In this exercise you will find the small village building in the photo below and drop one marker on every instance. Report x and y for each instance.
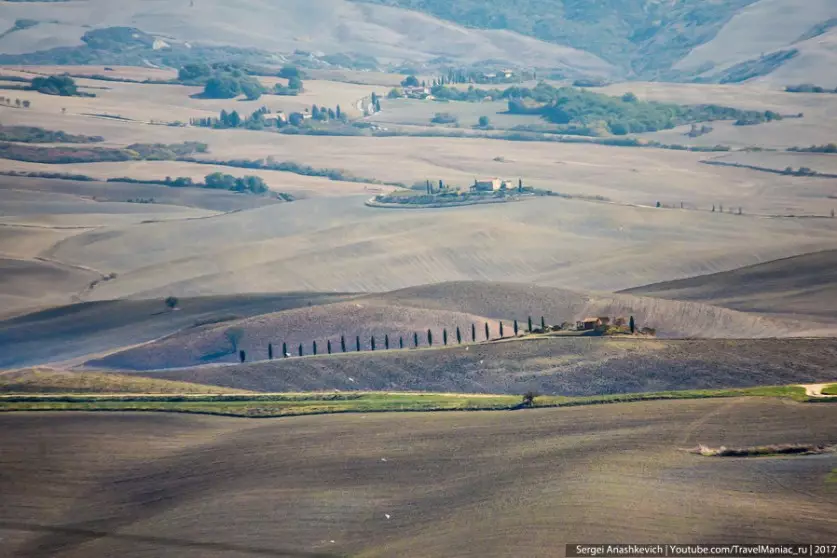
(491, 185)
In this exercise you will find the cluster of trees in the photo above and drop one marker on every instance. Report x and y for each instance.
(617, 115)
(64, 86)
(827, 148)
(221, 181)
(34, 134)
(444, 118)
(221, 80)
(16, 103)
(256, 121)
(808, 88)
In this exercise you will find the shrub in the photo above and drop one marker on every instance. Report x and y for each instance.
(172, 302)
(444, 118)
(64, 86)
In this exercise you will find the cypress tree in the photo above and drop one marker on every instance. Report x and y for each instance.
(473, 333)
(519, 184)
(300, 349)
(487, 331)
(633, 325)
(270, 351)
(543, 325)
(343, 343)
(515, 327)
(429, 338)
(328, 346)
(386, 341)
(338, 112)
(285, 350)
(530, 324)
(445, 336)
(415, 339)
(458, 336)
(501, 330)
(401, 342)
(242, 355)
(314, 348)
(357, 342)
(373, 343)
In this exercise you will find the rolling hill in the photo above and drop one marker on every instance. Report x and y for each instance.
(800, 287)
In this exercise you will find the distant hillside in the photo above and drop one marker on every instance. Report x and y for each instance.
(167, 33)
(799, 286)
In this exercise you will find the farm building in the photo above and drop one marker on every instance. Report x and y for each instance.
(493, 184)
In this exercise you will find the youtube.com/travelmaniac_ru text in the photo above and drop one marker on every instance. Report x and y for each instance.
(701, 550)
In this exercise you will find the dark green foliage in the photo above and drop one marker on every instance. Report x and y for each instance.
(386, 342)
(445, 336)
(401, 339)
(357, 343)
(343, 343)
(543, 325)
(487, 332)
(372, 344)
(501, 329)
(808, 88)
(828, 148)
(270, 351)
(515, 327)
(444, 118)
(328, 346)
(410, 81)
(295, 84)
(221, 181)
(757, 67)
(314, 348)
(222, 87)
(429, 338)
(172, 302)
(483, 122)
(64, 86)
(300, 349)
(289, 72)
(530, 324)
(529, 399)
(415, 339)
(242, 356)
(195, 72)
(33, 134)
(285, 353)
(458, 335)
(632, 325)
(473, 333)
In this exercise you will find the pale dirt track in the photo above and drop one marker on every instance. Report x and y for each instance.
(815, 390)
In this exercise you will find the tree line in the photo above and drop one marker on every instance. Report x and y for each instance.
(417, 339)
(257, 120)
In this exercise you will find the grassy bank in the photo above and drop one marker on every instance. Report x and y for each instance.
(830, 390)
(291, 404)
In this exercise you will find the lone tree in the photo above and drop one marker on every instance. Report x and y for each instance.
(483, 122)
(270, 351)
(530, 324)
(529, 399)
(515, 327)
(543, 325)
(632, 325)
(473, 333)
(386, 341)
(458, 335)
(285, 353)
(357, 342)
(343, 343)
(487, 331)
(401, 342)
(373, 343)
(314, 348)
(445, 336)
(172, 302)
(234, 336)
(429, 338)
(415, 339)
(300, 349)
(242, 356)
(328, 346)
(501, 330)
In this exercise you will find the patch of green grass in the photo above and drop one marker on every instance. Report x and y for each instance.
(830, 390)
(831, 478)
(291, 404)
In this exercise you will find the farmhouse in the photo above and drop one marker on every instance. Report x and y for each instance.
(589, 323)
(491, 185)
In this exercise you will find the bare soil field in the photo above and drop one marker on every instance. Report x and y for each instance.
(793, 287)
(464, 484)
(552, 366)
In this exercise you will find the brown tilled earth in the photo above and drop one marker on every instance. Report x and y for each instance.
(450, 484)
(561, 366)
